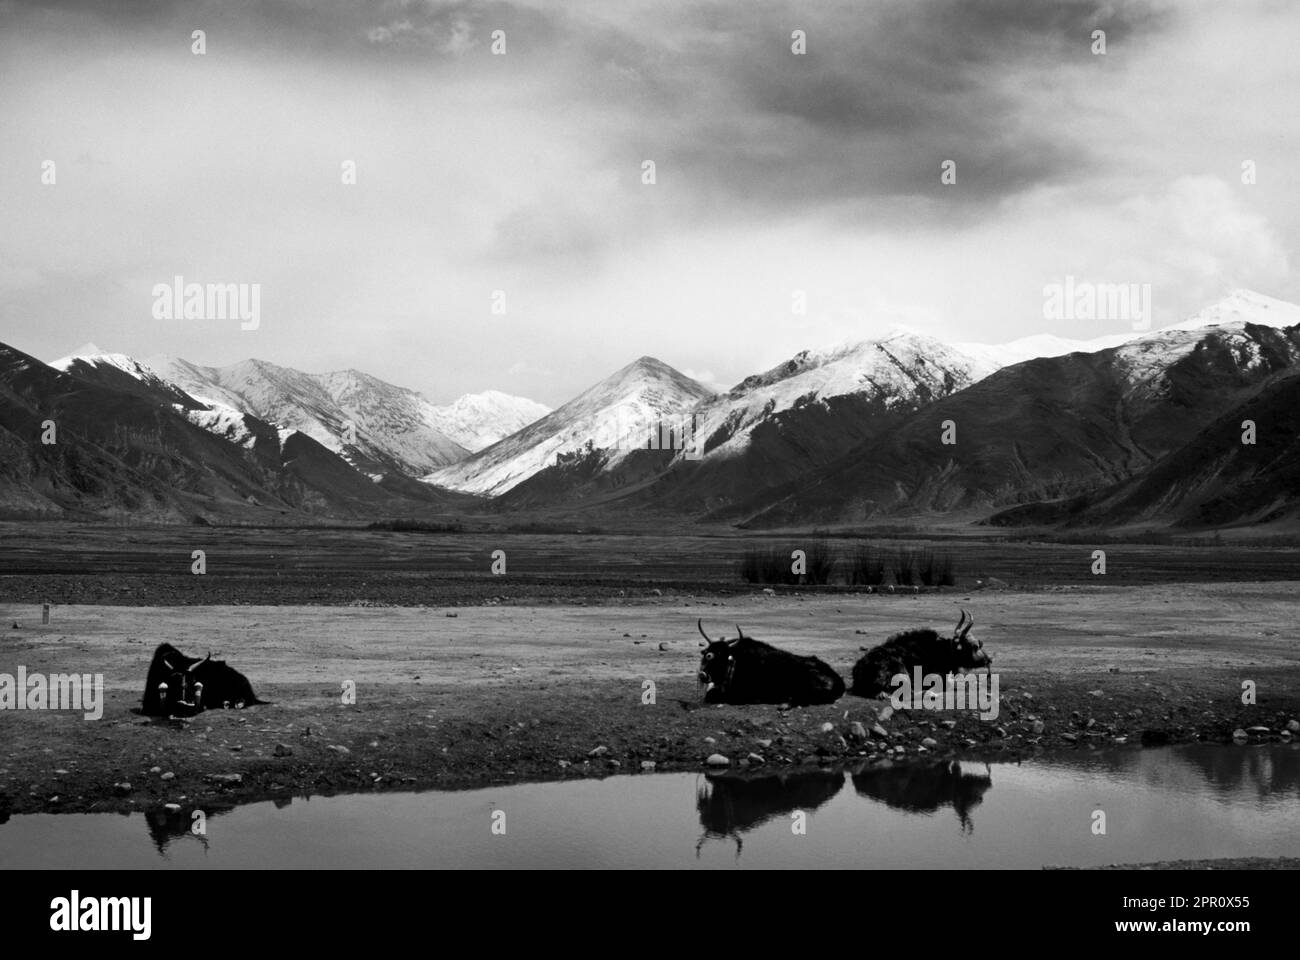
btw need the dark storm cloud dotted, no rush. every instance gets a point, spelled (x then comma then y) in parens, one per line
(883, 95)
(739, 125)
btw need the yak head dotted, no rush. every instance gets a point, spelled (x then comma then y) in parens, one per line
(718, 660)
(968, 653)
(181, 684)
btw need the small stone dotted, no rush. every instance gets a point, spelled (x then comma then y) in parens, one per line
(656, 592)
(1121, 739)
(169, 776)
(451, 614)
(615, 764)
(598, 751)
(563, 764)
(885, 714)
(155, 769)
(339, 749)
(1038, 726)
(756, 758)
(648, 766)
(1070, 737)
(929, 743)
(1097, 693)
(283, 750)
(709, 740)
(717, 760)
(1090, 724)
(948, 724)
(172, 807)
(1000, 733)
(857, 731)
(123, 787)
(1293, 726)
(225, 777)
(880, 731)
(764, 743)
(767, 590)
(828, 728)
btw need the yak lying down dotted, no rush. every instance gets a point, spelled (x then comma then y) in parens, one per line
(181, 686)
(745, 670)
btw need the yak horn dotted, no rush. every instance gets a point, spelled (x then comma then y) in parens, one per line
(700, 626)
(740, 634)
(970, 622)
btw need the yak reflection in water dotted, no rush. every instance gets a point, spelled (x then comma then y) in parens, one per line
(926, 788)
(730, 804)
(167, 827)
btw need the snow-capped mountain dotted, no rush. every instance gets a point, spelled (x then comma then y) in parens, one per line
(1237, 307)
(478, 420)
(1041, 441)
(613, 415)
(902, 368)
(375, 426)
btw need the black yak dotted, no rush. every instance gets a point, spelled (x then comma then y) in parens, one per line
(919, 648)
(182, 686)
(745, 670)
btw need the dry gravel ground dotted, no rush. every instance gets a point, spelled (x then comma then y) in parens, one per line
(504, 692)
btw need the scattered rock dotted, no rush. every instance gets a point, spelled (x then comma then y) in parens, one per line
(648, 766)
(764, 743)
(857, 731)
(828, 727)
(155, 769)
(880, 731)
(1070, 737)
(563, 764)
(227, 778)
(339, 749)
(1000, 733)
(756, 758)
(656, 592)
(123, 787)
(1293, 726)
(885, 714)
(767, 590)
(929, 743)
(1038, 726)
(1090, 724)
(449, 613)
(717, 760)
(283, 750)
(172, 807)
(1097, 693)
(169, 776)
(599, 751)
(948, 724)
(1240, 734)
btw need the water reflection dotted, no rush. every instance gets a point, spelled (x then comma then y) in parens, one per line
(1204, 801)
(926, 788)
(731, 804)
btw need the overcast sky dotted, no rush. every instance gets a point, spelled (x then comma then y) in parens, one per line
(523, 173)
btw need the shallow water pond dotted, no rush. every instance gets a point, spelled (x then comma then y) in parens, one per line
(1193, 802)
